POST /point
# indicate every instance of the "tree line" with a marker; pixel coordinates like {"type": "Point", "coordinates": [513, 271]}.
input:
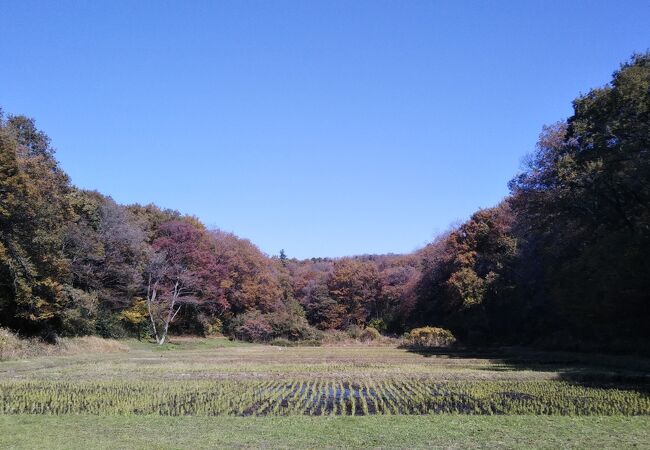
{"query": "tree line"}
{"type": "Point", "coordinates": [562, 261]}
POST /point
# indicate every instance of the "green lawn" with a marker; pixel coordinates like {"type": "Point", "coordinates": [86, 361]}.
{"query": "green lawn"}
{"type": "Point", "coordinates": [446, 431]}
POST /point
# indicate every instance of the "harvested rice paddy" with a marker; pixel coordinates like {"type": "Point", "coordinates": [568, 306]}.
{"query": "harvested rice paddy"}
{"type": "Point", "coordinates": [220, 378]}
{"type": "Point", "coordinates": [228, 382]}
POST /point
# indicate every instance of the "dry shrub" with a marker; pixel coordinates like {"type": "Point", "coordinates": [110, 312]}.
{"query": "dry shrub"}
{"type": "Point", "coordinates": [13, 347]}
{"type": "Point", "coordinates": [10, 344]}
{"type": "Point", "coordinates": [354, 331]}
{"type": "Point", "coordinates": [370, 334]}
{"type": "Point", "coordinates": [334, 337]}
{"type": "Point", "coordinates": [429, 337]}
{"type": "Point", "coordinates": [256, 327]}
{"type": "Point", "coordinates": [369, 337]}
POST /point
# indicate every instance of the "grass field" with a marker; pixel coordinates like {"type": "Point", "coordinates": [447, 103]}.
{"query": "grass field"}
{"type": "Point", "coordinates": [393, 432]}
{"type": "Point", "coordinates": [214, 392]}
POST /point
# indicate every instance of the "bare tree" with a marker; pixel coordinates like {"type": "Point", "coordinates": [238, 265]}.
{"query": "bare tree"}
{"type": "Point", "coordinates": [180, 271]}
{"type": "Point", "coordinates": [169, 287]}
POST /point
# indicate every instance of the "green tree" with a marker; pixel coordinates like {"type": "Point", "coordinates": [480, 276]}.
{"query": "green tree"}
{"type": "Point", "coordinates": [33, 214]}
{"type": "Point", "coordinates": [583, 207]}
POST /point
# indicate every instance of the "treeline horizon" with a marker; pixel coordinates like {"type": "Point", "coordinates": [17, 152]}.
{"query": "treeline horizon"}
{"type": "Point", "coordinates": [561, 262]}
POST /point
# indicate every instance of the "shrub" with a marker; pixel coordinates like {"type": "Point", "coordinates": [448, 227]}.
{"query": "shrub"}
{"type": "Point", "coordinates": [293, 327]}
{"type": "Point", "coordinates": [378, 324]}
{"type": "Point", "coordinates": [335, 336]}
{"type": "Point", "coordinates": [429, 337]}
{"type": "Point", "coordinates": [255, 328]}
{"type": "Point", "coordinates": [10, 344]}
{"type": "Point", "coordinates": [109, 325]}
{"type": "Point", "coordinates": [281, 342]}
{"type": "Point", "coordinates": [136, 318]}
{"type": "Point", "coordinates": [370, 334]}
{"type": "Point", "coordinates": [211, 326]}
{"type": "Point", "coordinates": [354, 331]}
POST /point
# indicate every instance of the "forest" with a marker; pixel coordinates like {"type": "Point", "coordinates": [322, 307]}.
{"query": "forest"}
{"type": "Point", "coordinates": [562, 262]}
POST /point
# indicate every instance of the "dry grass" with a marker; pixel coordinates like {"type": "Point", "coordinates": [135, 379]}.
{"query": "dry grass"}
{"type": "Point", "coordinates": [221, 359]}
{"type": "Point", "coordinates": [218, 376]}
{"type": "Point", "coordinates": [13, 347]}
{"type": "Point", "coordinates": [342, 339]}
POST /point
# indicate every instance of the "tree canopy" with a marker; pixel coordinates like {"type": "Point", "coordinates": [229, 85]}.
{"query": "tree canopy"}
{"type": "Point", "coordinates": [562, 261]}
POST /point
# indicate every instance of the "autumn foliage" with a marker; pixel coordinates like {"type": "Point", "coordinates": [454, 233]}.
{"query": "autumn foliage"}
{"type": "Point", "coordinates": [562, 261]}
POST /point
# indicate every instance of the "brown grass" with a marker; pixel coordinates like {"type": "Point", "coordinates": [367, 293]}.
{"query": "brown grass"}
{"type": "Point", "coordinates": [341, 339]}
{"type": "Point", "coordinates": [13, 347]}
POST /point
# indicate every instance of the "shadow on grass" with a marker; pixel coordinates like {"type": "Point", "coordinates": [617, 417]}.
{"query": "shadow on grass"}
{"type": "Point", "coordinates": [586, 369]}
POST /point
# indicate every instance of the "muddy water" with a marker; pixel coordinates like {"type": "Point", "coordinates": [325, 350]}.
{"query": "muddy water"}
{"type": "Point", "coordinates": [347, 398]}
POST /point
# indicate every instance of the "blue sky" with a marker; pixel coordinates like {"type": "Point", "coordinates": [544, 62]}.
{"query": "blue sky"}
{"type": "Point", "coordinates": [325, 128]}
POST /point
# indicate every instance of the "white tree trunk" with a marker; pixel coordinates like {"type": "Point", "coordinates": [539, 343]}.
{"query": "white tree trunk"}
{"type": "Point", "coordinates": [152, 293]}
{"type": "Point", "coordinates": [172, 310]}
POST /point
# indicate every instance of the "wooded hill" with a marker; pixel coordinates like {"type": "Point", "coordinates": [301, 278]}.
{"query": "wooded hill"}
{"type": "Point", "coordinates": [561, 262]}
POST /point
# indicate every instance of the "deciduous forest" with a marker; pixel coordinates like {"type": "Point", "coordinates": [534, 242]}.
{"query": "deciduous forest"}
{"type": "Point", "coordinates": [561, 263]}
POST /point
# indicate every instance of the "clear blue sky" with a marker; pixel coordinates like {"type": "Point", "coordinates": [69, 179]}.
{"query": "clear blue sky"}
{"type": "Point", "coordinates": [325, 128]}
